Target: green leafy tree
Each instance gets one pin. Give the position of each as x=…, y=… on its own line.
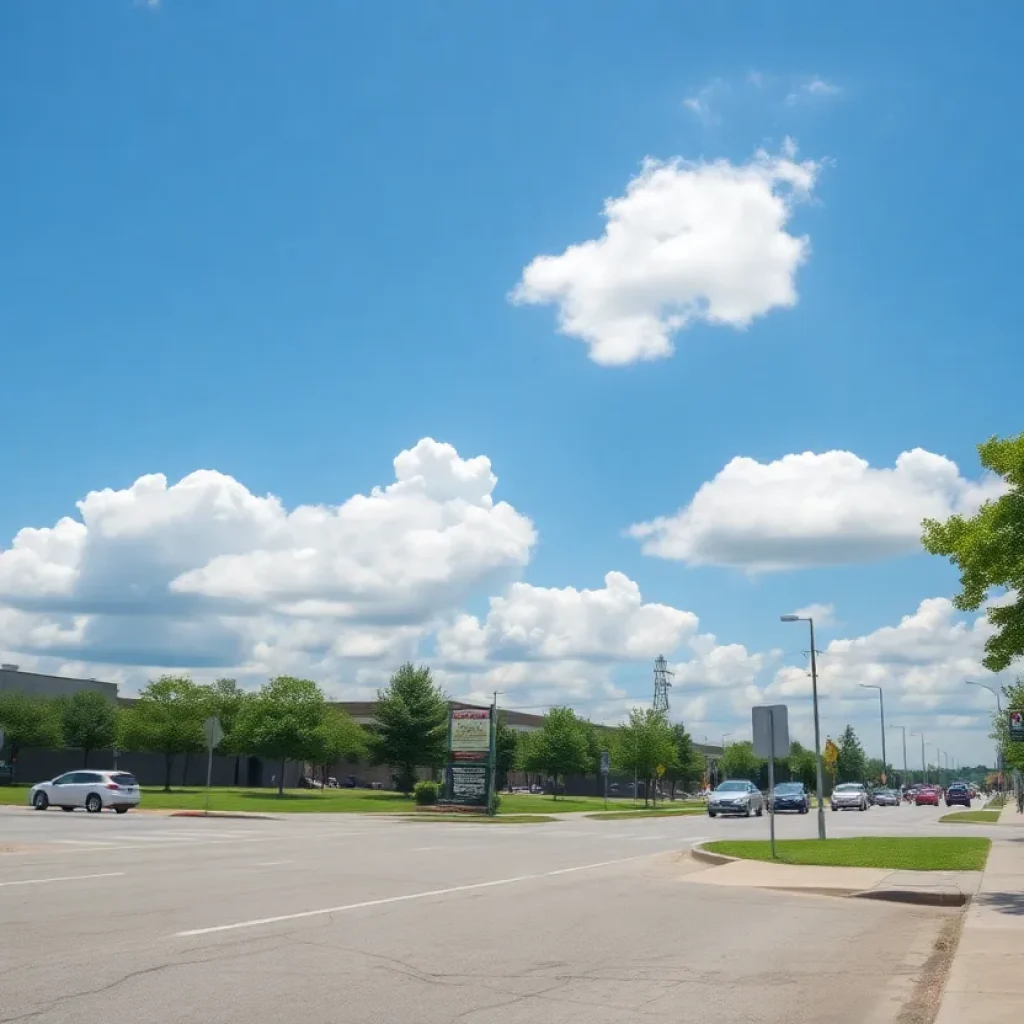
x=645, y=743
x=1012, y=753
x=338, y=737
x=506, y=751
x=851, y=765
x=988, y=549
x=412, y=725
x=167, y=718
x=802, y=766
x=89, y=722
x=226, y=699
x=29, y=722
x=687, y=765
x=280, y=722
x=740, y=762
x=560, y=747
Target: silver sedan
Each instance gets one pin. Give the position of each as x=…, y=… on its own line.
x=737, y=796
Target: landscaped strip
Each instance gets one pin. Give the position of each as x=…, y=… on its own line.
x=966, y=817
x=903, y=854
x=482, y=819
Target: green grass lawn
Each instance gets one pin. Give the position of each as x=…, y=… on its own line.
x=907, y=854
x=362, y=801
x=966, y=817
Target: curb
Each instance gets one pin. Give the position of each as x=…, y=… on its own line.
x=232, y=815
x=915, y=897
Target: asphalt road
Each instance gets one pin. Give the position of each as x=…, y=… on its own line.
x=364, y=919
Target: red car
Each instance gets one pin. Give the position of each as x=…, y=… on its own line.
x=927, y=796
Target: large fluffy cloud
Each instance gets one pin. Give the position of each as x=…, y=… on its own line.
x=689, y=241
x=197, y=572
x=813, y=509
x=549, y=624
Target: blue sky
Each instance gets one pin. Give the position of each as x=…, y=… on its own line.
x=278, y=242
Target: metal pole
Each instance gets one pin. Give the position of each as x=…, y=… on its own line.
x=209, y=774
x=881, y=711
x=771, y=779
x=493, y=755
x=817, y=735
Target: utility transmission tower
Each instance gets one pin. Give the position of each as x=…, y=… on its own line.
x=661, y=684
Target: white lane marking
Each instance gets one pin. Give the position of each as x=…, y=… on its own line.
x=403, y=899
x=425, y=849
x=62, y=878
x=272, y=863
x=84, y=842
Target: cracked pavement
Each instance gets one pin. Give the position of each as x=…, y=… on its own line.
x=617, y=938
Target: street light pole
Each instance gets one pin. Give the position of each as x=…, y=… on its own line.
x=817, y=728
x=999, y=746
x=924, y=766
x=881, y=709
x=903, y=729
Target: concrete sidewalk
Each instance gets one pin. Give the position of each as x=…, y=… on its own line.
x=986, y=981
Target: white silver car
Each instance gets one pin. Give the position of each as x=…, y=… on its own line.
x=737, y=796
x=850, y=796
x=89, y=789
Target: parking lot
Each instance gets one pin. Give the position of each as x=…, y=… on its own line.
x=362, y=918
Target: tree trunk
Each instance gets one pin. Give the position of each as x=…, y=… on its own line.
x=167, y=776
x=280, y=780
x=14, y=761
x=238, y=769
x=184, y=771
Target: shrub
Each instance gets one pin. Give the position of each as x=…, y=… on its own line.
x=426, y=793
x=495, y=803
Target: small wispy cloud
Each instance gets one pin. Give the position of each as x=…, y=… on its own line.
x=823, y=614
x=703, y=103
x=813, y=88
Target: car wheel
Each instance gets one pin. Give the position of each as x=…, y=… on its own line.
x=711, y=814
x=40, y=801
x=93, y=803
x=760, y=810
x=804, y=810
x=121, y=810
x=69, y=809
x=746, y=813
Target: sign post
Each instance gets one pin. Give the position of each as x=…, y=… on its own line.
x=470, y=744
x=771, y=740
x=214, y=734
x=1015, y=726
x=605, y=765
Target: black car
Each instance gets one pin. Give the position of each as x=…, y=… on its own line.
x=791, y=796
x=958, y=794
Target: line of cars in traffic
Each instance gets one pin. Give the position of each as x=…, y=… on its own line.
x=740, y=796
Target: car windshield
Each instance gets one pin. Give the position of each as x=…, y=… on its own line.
x=849, y=787
x=731, y=787
x=789, y=787
x=123, y=779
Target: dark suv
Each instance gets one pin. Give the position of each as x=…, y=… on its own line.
x=958, y=793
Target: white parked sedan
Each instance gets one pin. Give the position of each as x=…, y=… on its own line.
x=850, y=796
x=88, y=789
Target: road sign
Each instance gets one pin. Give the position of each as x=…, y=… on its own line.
x=213, y=732
x=660, y=770
x=605, y=762
x=771, y=730
x=1015, y=721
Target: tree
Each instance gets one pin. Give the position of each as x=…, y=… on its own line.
x=338, y=737
x=89, y=722
x=802, y=766
x=740, y=762
x=167, y=718
x=29, y=722
x=851, y=764
x=226, y=699
x=560, y=747
x=412, y=725
x=280, y=722
x=645, y=743
x=988, y=549
x=688, y=765
x=506, y=751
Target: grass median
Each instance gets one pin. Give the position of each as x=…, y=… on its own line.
x=903, y=854
x=336, y=801
x=667, y=812
x=966, y=817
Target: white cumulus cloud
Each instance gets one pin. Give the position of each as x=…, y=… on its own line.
x=689, y=241
x=548, y=623
x=813, y=509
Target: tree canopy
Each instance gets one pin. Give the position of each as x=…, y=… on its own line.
x=29, y=722
x=740, y=762
x=412, y=725
x=988, y=549
x=280, y=721
x=506, y=750
x=338, y=737
x=559, y=747
x=851, y=765
x=89, y=722
x=644, y=744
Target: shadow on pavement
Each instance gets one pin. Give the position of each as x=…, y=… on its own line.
x=1004, y=902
